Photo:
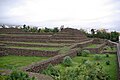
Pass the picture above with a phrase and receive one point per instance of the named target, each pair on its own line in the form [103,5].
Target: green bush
[107,55]
[51,71]
[98,63]
[97,57]
[79,52]
[18,75]
[108,62]
[85,53]
[67,61]
[85,73]
[83,61]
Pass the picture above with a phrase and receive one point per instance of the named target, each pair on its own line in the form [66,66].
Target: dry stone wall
[29,52]
[38,67]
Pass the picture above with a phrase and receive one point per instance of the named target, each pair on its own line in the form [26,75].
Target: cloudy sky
[73,13]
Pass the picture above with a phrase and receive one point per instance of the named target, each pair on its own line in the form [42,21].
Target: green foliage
[47,30]
[79,52]
[51,71]
[18,75]
[67,61]
[35,29]
[85,53]
[97,57]
[55,30]
[107,62]
[113,36]
[83,61]
[87,71]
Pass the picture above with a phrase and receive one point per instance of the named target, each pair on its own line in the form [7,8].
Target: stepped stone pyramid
[69,35]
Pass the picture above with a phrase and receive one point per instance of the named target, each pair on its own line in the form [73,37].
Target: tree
[62,27]
[55,30]
[46,29]
[24,26]
[92,32]
[114,36]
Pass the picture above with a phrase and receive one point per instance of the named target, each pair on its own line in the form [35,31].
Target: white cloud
[40,10]
[68,12]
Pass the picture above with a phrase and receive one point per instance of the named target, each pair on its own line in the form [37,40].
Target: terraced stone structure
[14,41]
[69,35]
[19,42]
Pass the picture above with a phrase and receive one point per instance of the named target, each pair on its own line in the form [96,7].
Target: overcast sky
[72,13]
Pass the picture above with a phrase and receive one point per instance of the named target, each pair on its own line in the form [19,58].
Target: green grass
[64,49]
[92,46]
[36,48]
[7,62]
[110,69]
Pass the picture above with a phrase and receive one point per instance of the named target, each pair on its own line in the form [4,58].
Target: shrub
[98,63]
[97,57]
[79,52]
[51,71]
[83,61]
[18,75]
[85,53]
[67,61]
[85,73]
[88,64]
[107,55]
[108,62]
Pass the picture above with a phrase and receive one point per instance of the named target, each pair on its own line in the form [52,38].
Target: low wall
[118,58]
[81,45]
[39,66]
[28,52]
[2,53]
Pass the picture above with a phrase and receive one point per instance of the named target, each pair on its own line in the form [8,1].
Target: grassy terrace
[8,62]
[108,48]
[93,46]
[110,69]
[36,48]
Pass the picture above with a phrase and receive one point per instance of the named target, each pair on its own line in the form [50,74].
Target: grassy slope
[110,69]
[6,62]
